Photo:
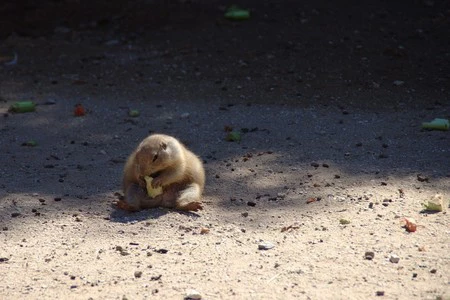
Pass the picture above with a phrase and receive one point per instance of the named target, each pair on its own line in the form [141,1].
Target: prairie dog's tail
[191,195]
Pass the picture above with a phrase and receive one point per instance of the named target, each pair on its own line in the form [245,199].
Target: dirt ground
[329,99]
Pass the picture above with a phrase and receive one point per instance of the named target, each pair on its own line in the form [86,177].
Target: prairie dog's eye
[155,157]
[163,146]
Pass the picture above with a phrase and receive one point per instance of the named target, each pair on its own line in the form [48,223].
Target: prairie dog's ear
[163,146]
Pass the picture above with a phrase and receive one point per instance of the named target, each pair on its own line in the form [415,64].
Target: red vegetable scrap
[311,200]
[79,110]
[409,224]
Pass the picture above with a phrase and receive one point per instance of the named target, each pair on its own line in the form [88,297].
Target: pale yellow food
[436,203]
[152,192]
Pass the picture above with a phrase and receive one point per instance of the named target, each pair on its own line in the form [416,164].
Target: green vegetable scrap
[233,136]
[30,143]
[23,107]
[134,113]
[234,12]
[437,124]
[431,206]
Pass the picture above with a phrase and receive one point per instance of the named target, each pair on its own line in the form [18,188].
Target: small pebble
[251,203]
[315,165]
[156,278]
[369,255]
[265,246]
[281,195]
[122,251]
[204,230]
[138,274]
[15,214]
[344,221]
[394,259]
[380,293]
[422,178]
[192,294]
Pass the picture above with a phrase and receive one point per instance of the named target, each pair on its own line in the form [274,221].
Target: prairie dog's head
[157,152]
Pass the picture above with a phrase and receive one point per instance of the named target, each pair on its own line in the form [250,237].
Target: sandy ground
[326,115]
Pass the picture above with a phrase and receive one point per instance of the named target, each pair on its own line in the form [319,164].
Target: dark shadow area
[376,54]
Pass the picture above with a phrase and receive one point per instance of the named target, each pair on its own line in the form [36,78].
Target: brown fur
[173,167]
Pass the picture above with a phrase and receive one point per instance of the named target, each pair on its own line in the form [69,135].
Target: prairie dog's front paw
[123,205]
[142,183]
[157,182]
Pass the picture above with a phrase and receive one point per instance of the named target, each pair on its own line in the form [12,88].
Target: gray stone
[265,246]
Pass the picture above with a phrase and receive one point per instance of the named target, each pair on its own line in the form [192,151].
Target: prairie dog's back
[194,168]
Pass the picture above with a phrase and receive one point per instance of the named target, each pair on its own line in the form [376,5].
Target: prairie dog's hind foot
[189,199]
[192,206]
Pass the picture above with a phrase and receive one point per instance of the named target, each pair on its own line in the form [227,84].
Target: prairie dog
[173,167]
